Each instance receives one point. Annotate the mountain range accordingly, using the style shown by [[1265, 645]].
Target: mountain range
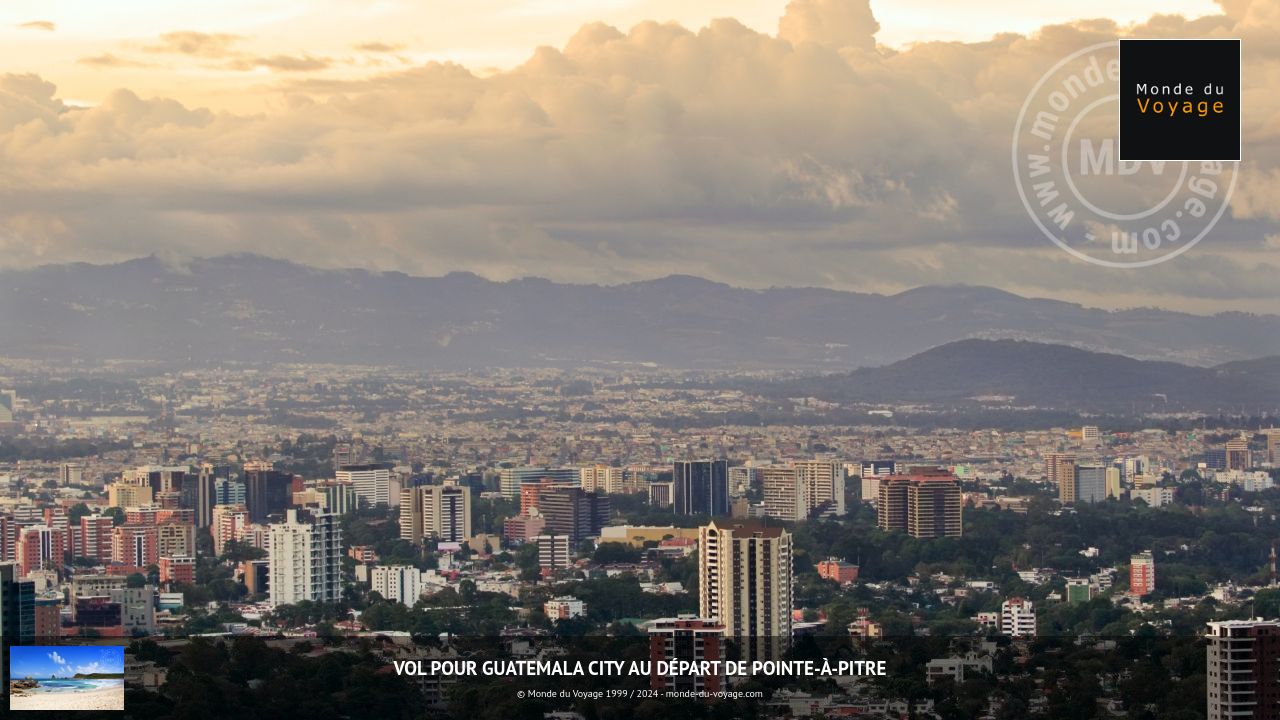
[[993, 373], [252, 308]]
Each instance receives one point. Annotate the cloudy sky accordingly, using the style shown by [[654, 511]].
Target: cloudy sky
[[829, 143]]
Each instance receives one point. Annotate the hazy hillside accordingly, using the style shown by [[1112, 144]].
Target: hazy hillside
[[1053, 376], [254, 308]]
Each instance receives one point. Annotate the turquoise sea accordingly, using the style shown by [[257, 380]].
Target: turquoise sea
[[62, 685]]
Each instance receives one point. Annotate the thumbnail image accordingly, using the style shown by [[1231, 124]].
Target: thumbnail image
[[61, 677]]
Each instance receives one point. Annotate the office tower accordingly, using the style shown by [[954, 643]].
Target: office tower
[[1060, 472], [178, 569], [1273, 445], [1242, 672], [825, 481], [744, 584], [1091, 483], [522, 528], [228, 492], [95, 537], [267, 491], [17, 606], [305, 557], [785, 494], [1238, 454], [686, 639], [206, 481], [531, 492], [344, 454], [137, 609], [1113, 475], [1018, 618], [398, 583], [330, 496], [371, 482], [869, 474], [135, 546], [701, 487], [230, 522], [742, 479], [573, 512], [1090, 435], [802, 490], [601, 478], [70, 474], [160, 478], [554, 553], [39, 546], [176, 539], [123, 494], [442, 512], [1142, 574], [662, 494], [17, 613], [926, 504], [510, 480]]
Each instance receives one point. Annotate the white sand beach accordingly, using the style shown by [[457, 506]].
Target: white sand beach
[[111, 698]]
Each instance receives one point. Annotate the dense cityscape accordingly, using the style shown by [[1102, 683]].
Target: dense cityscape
[[304, 508]]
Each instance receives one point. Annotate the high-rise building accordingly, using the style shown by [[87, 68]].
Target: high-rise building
[[1238, 454], [179, 569], [95, 537], [925, 504], [174, 539], [398, 583], [1060, 472], [554, 553], [573, 512], [1142, 574], [744, 584], [70, 474], [1273, 445], [701, 487], [685, 639], [160, 478], [206, 495], [662, 494], [802, 490], [305, 559], [510, 480], [230, 522], [331, 496], [601, 478], [39, 547], [1018, 617], [371, 482], [1091, 483], [1090, 435], [1242, 672], [442, 512], [785, 494], [17, 612], [135, 546], [267, 491], [123, 494]]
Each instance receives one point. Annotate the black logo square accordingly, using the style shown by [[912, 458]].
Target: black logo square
[[1179, 99]]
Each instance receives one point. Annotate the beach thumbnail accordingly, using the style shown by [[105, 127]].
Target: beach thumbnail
[[64, 677]]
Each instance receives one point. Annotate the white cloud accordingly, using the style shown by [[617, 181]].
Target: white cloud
[[804, 158]]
